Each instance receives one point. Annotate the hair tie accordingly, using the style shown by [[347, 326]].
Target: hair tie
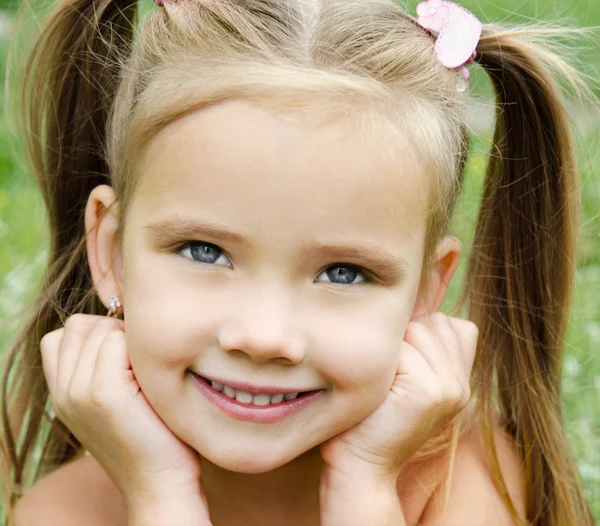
[[458, 32]]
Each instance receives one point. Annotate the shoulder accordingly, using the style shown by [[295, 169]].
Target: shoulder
[[473, 499], [77, 493]]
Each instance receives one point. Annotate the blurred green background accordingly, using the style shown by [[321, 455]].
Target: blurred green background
[[23, 224]]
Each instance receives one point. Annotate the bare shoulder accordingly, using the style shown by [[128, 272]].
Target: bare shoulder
[[77, 493], [473, 499]]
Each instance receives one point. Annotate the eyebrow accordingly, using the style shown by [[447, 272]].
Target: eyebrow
[[372, 256], [188, 228]]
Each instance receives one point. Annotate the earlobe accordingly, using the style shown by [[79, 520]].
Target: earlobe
[[102, 227], [447, 258]]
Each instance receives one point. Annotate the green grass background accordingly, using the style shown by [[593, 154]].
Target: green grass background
[[23, 225]]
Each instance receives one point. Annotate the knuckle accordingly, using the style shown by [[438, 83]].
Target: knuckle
[[110, 326], [472, 327], [77, 397], [436, 393], [84, 399], [49, 339], [111, 340], [416, 327], [101, 395], [45, 339], [75, 320], [113, 333], [99, 401], [110, 322]]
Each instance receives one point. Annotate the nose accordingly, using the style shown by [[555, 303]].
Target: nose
[[263, 328]]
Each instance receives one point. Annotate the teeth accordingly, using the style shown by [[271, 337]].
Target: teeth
[[276, 399], [261, 399], [243, 397]]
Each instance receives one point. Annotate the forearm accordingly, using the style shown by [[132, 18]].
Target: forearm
[[359, 500]]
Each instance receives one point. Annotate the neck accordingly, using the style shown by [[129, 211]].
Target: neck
[[287, 495]]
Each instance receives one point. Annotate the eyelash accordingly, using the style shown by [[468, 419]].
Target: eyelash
[[366, 274]]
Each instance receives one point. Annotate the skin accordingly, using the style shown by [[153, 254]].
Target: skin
[[267, 312]]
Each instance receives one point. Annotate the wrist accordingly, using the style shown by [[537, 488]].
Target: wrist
[[347, 473], [163, 512], [335, 479], [359, 498]]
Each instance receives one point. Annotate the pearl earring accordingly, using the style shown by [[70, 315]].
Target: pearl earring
[[113, 306]]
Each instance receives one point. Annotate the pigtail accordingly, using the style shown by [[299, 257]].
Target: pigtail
[[63, 102], [520, 275]]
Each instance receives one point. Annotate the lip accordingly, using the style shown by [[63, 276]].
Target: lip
[[263, 414]]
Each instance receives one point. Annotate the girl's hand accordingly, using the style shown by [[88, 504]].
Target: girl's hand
[[430, 388], [95, 394]]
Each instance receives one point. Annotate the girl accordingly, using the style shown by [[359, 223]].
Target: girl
[[256, 368]]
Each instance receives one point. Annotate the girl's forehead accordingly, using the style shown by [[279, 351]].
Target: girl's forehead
[[238, 157]]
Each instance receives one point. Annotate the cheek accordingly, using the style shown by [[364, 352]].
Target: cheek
[[360, 358], [167, 324]]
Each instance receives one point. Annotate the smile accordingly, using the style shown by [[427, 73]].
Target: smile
[[256, 407]]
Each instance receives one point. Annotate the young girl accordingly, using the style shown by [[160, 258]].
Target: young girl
[[259, 193]]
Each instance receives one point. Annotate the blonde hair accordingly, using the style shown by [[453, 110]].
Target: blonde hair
[[97, 87]]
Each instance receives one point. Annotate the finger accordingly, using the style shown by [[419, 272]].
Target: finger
[[49, 348], [77, 328], [468, 335], [112, 362], [455, 350], [451, 354], [86, 362], [466, 332], [449, 336], [411, 362], [427, 342]]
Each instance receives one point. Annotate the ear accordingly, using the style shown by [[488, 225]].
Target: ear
[[446, 259], [104, 255]]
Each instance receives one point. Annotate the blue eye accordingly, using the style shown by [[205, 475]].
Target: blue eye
[[203, 252], [211, 254], [346, 274]]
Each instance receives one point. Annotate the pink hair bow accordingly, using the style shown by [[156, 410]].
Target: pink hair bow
[[458, 32]]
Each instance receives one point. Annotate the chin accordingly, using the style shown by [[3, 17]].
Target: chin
[[242, 458], [250, 466]]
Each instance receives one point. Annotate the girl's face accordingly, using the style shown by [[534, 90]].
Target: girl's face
[[278, 254]]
